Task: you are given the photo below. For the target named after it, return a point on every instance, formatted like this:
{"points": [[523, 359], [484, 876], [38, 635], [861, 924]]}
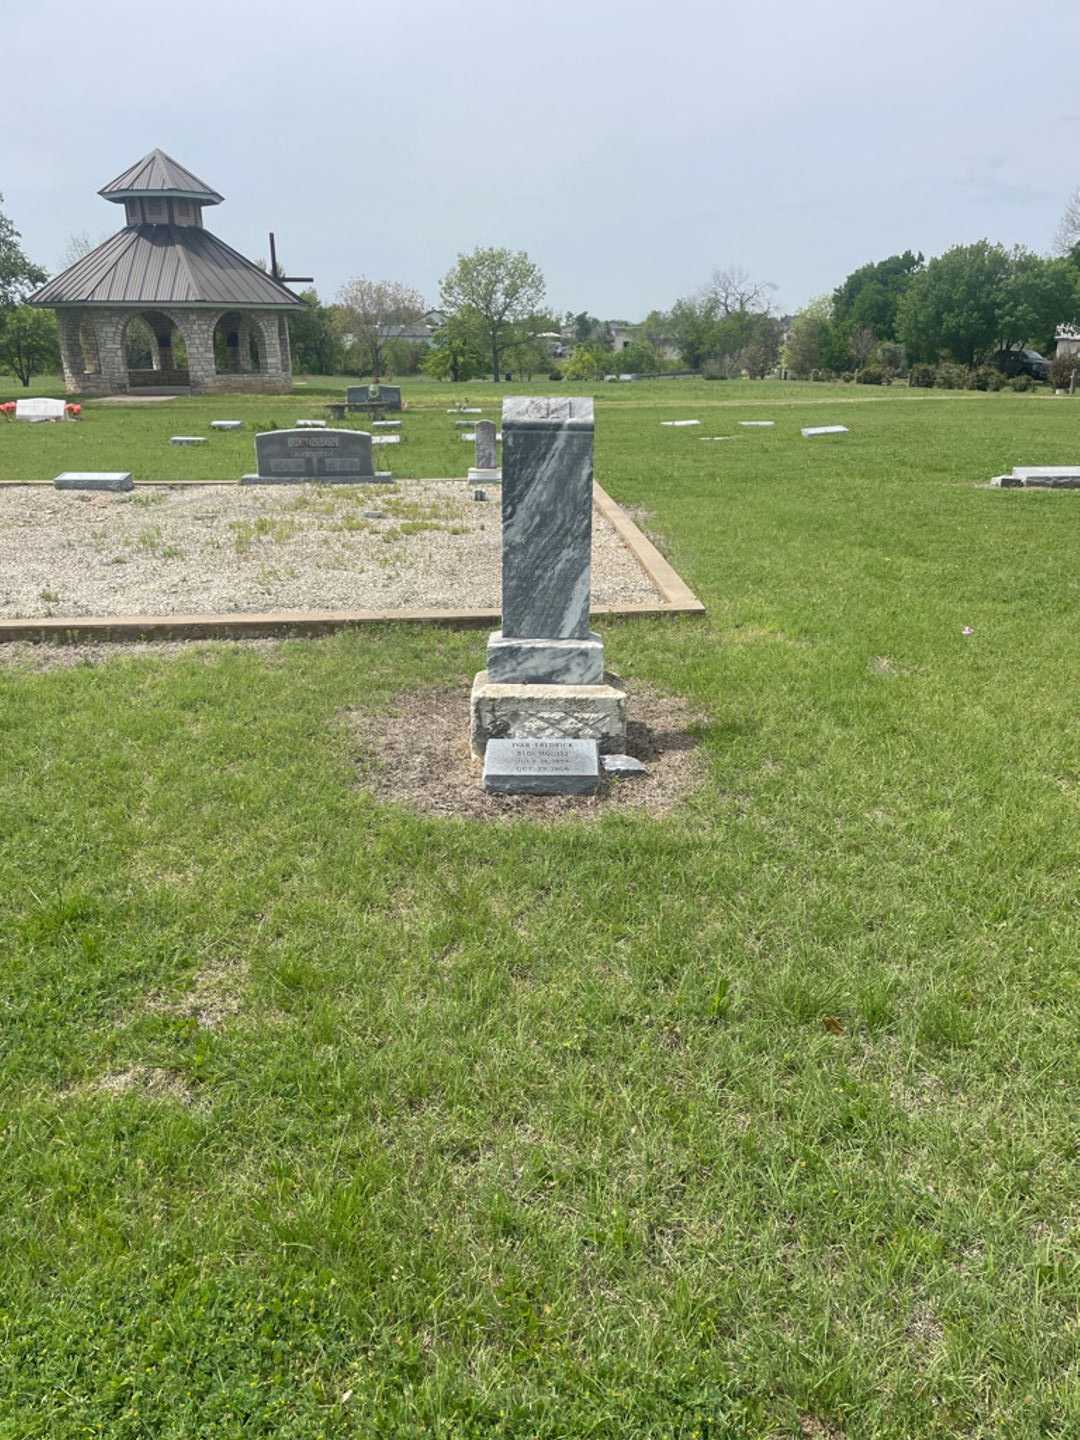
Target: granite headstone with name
{"points": [[329, 457], [542, 767]]}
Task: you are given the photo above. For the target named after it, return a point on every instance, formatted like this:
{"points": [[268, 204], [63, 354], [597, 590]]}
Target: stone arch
{"points": [[154, 350], [239, 344]]}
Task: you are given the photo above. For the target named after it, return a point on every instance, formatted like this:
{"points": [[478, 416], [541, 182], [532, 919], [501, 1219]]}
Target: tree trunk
{"points": [[494, 359]]}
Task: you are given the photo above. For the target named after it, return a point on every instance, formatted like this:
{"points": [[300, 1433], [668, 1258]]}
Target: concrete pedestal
{"points": [[549, 712]]}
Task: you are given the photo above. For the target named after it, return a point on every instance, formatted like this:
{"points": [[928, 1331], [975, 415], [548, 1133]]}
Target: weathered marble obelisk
{"points": [[545, 667]]}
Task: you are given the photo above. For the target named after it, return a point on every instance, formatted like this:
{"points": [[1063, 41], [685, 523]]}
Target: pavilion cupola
{"points": [[157, 190]]}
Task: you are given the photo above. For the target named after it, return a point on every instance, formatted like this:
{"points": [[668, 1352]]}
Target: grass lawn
{"points": [[757, 1121]]}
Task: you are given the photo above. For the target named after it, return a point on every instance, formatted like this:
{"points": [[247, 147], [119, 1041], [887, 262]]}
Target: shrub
{"points": [[950, 377], [985, 377], [554, 374], [1062, 370], [1022, 382], [922, 377], [871, 375], [822, 376]]}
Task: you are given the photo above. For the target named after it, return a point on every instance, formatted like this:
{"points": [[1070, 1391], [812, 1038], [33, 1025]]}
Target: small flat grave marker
{"points": [[311, 425], [94, 480], [226, 424], [386, 424], [187, 439], [811, 430], [465, 410], [386, 440], [678, 424], [758, 424], [542, 767]]}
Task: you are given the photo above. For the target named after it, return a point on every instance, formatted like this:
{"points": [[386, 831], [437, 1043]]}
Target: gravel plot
{"points": [[207, 549]]}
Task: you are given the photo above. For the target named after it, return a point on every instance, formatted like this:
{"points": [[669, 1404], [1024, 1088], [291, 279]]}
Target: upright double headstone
{"points": [[545, 667]]}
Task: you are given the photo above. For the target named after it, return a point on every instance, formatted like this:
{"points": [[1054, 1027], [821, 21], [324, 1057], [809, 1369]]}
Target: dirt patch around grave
{"points": [[416, 754]]}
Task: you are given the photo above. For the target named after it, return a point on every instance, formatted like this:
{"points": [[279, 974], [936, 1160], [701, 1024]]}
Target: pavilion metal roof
{"points": [[158, 265], [160, 175]]}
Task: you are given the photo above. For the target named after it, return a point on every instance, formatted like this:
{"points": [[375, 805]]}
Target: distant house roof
{"points": [[152, 265], [160, 175]]}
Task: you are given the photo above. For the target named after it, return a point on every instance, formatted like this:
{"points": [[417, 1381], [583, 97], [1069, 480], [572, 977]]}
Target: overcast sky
{"points": [[628, 147]]}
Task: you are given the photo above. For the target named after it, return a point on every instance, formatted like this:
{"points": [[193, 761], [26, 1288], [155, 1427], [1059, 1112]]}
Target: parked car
{"points": [[1022, 362]]}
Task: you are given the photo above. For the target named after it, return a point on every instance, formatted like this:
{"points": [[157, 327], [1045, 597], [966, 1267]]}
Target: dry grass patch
{"points": [[417, 754]]}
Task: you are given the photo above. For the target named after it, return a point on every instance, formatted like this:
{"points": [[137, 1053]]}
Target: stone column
{"points": [[111, 329], [197, 328], [270, 346], [547, 546], [71, 356]]}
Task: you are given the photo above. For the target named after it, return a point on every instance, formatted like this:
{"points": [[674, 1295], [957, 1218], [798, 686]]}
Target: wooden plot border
{"points": [[677, 599]]}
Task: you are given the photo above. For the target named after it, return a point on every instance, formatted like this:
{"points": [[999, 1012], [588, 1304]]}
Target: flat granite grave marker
{"points": [[545, 668], [330, 457], [811, 430], [187, 439], [311, 425], [679, 424], [40, 408], [94, 480], [226, 424], [542, 767], [758, 424]]}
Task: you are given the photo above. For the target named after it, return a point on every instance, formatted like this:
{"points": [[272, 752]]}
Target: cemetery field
{"points": [[758, 1120]]}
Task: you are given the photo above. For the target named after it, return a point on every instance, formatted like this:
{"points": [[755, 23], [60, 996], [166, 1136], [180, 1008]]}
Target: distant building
{"points": [[163, 305], [416, 332]]}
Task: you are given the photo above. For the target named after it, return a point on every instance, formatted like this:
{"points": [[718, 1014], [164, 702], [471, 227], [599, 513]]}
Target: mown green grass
{"points": [[541, 1132]]}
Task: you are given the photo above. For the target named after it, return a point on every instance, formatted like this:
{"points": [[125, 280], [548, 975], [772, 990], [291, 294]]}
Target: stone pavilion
{"points": [[165, 306]]}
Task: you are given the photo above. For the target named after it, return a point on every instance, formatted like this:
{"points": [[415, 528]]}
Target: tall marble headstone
{"points": [[547, 546], [545, 675]]}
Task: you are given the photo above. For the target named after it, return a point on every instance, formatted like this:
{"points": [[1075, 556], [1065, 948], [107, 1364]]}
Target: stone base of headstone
{"points": [[94, 480], [545, 662], [381, 477], [548, 712], [491, 476]]}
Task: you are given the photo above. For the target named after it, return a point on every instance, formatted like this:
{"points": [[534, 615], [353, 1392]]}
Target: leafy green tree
{"points": [[18, 274], [811, 341], [588, 362], [951, 307], [1034, 298], [457, 351], [315, 342], [29, 343], [369, 310], [869, 297], [978, 299], [495, 291]]}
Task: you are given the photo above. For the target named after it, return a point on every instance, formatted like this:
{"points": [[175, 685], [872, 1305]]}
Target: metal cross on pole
{"points": [[275, 269]]}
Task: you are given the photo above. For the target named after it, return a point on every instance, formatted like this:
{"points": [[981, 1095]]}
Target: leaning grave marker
{"points": [[328, 457], [545, 668]]}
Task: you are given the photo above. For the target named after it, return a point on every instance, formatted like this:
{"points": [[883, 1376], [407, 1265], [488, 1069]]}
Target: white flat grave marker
{"points": [[386, 424], [226, 424], [1047, 472], [758, 424], [94, 480], [465, 410], [386, 440], [718, 437], [678, 424], [187, 439], [40, 409], [623, 765], [310, 425], [542, 767], [471, 435], [811, 430]]}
